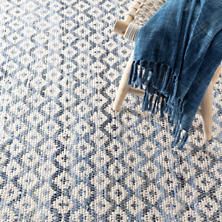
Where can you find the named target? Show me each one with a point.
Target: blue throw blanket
(176, 54)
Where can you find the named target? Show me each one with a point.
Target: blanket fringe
(160, 86)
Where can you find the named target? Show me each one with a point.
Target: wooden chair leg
(207, 112)
(123, 88)
(207, 106)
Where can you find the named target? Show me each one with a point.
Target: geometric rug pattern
(65, 155)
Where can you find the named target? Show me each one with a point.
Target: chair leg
(207, 106)
(207, 112)
(123, 88)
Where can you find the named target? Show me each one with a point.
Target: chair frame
(122, 27)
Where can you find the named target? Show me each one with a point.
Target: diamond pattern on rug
(64, 154)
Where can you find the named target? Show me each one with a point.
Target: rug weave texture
(65, 155)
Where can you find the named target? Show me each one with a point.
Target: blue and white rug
(64, 154)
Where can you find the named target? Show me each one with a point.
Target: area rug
(65, 155)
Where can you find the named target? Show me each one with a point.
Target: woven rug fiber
(65, 155)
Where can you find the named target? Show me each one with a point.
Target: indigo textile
(177, 52)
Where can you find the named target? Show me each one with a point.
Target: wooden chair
(128, 29)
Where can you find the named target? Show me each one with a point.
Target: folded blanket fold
(176, 53)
